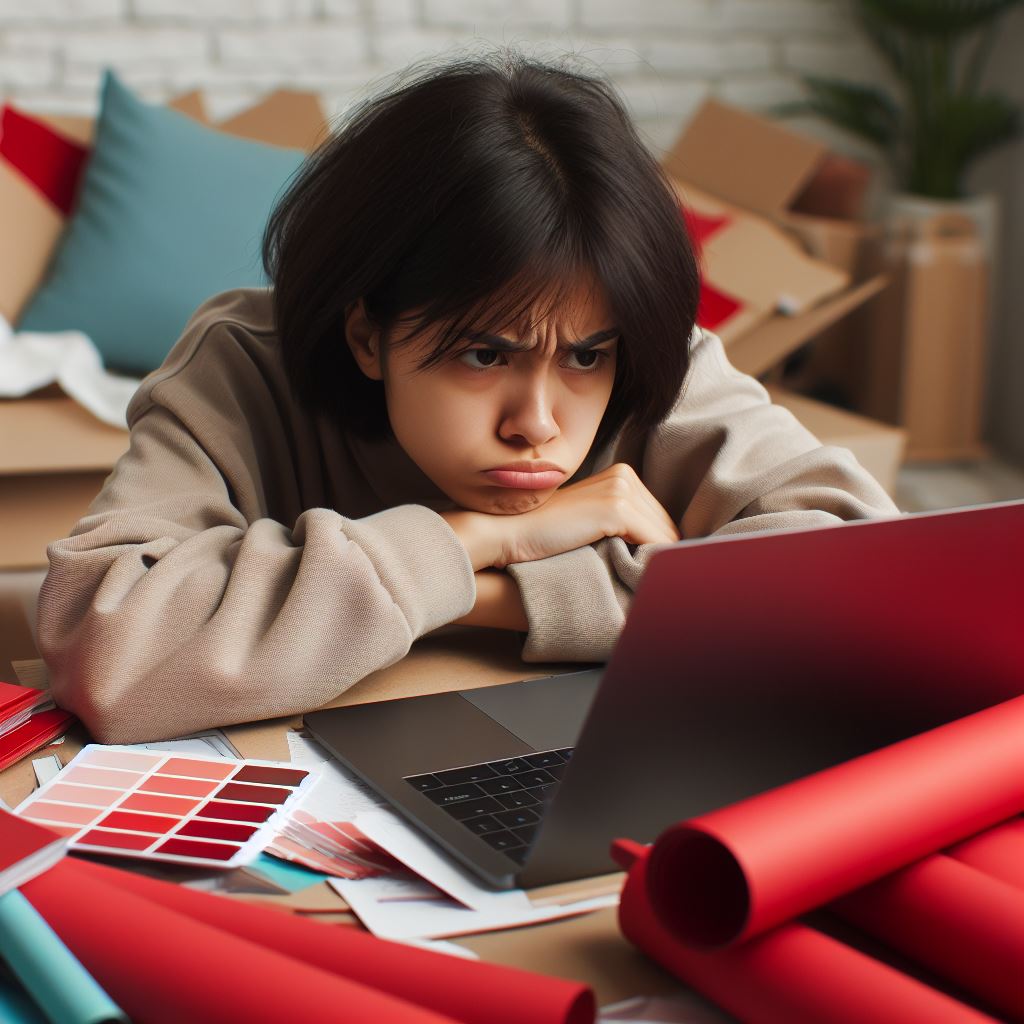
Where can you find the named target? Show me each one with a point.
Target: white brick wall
(664, 55)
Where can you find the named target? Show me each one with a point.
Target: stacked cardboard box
(789, 272)
(791, 253)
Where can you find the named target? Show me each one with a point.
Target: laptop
(744, 662)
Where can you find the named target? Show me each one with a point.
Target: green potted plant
(941, 120)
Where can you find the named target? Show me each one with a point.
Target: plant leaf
(865, 110)
(936, 17)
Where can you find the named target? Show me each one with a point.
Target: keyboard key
(537, 777)
(424, 782)
(483, 823)
(556, 769)
(502, 784)
(454, 794)
(566, 752)
(519, 854)
(542, 794)
(504, 840)
(523, 816)
(509, 765)
(520, 798)
(545, 759)
(525, 832)
(471, 808)
(473, 773)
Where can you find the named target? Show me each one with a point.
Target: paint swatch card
(185, 808)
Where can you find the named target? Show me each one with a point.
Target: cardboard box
(727, 160)
(792, 182)
(54, 455)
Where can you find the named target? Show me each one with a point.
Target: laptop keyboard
(500, 801)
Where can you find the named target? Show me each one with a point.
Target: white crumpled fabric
(30, 360)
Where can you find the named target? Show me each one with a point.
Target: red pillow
(51, 162)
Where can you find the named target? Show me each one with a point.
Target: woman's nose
(530, 415)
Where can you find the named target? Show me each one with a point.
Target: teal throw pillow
(169, 213)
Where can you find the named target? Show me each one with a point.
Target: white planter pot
(983, 210)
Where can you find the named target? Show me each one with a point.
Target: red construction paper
(998, 852)
(715, 307)
(39, 730)
(22, 840)
(51, 162)
(738, 871)
(961, 923)
(471, 991)
(790, 975)
(701, 226)
(15, 699)
(164, 967)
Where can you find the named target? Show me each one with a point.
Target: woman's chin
(511, 501)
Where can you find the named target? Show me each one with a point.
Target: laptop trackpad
(547, 713)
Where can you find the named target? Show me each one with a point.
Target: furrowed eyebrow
(507, 345)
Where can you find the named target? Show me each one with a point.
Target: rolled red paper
(998, 852)
(471, 991)
(962, 924)
(790, 975)
(734, 873)
(163, 967)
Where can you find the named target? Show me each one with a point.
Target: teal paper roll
(16, 1007)
(61, 987)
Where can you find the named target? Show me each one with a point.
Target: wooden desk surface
(586, 948)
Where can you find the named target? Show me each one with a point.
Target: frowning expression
(497, 400)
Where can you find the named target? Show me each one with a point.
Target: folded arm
(166, 610)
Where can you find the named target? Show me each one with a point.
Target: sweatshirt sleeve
(726, 460)
(167, 610)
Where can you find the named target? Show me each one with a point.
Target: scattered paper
(320, 834)
(204, 742)
(425, 858)
(46, 768)
(686, 1008)
(403, 906)
(32, 672)
(440, 946)
(339, 795)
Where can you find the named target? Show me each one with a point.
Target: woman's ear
(363, 339)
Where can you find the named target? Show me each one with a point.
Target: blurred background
(853, 169)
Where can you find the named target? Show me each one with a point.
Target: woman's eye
(485, 353)
(588, 363)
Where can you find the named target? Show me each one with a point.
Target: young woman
(474, 393)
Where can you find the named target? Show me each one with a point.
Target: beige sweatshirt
(245, 559)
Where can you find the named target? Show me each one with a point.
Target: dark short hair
(473, 191)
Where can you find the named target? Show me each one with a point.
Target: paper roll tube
(998, 852)
(164, 967)
(790, 975)
(472, 991)
(734, 873)
(959, 922)
(62, 988)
